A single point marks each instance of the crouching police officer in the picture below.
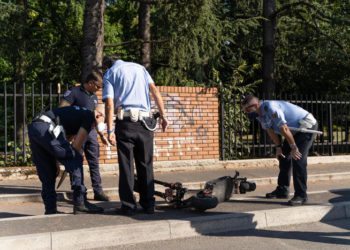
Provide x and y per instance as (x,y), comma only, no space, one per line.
(84,96)
(48,142)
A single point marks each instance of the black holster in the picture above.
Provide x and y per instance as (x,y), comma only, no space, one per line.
(150,123)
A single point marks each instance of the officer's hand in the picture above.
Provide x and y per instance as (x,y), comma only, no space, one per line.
(279,153)
(111,138)
(163,122)
(70,138)
(296,155)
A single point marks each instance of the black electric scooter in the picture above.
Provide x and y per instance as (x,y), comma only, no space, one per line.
(214,192)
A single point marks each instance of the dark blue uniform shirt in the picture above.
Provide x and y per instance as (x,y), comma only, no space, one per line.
(79,96)
(72,118)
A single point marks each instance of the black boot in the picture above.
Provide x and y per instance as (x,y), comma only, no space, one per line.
(126,211)
(100,196)
(297,201)
(86,207)
(51,211)
(279,192)
(149,210)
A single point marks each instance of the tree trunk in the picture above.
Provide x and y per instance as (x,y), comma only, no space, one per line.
(93,40)
(145,34)
(20,75)
(268,63)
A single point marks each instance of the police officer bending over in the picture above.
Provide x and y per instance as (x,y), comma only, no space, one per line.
(48,142)
(284,118)
(126,92)
(84,96)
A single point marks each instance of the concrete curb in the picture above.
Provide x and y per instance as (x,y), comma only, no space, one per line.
(110,236)
(23,173)
(113,192)
(212,164)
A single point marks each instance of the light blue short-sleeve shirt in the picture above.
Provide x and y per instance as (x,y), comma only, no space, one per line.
(128,84)
(277,113)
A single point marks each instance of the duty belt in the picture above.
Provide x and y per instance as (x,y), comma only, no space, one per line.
(141,114)
(134,114)
(308,121)
(55,128)
(306,125)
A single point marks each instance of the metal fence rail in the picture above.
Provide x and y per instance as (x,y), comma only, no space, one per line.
(241,138)
(18,104)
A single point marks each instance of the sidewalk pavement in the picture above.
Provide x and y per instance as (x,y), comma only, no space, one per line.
(28,230)
(25,173)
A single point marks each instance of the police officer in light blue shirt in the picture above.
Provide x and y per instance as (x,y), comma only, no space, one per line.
(283,118)
(126,93)
(120,83)
(277,113)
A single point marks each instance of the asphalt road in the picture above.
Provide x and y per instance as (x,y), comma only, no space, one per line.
(333,235)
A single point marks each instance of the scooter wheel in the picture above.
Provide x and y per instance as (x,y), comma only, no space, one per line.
(203,203)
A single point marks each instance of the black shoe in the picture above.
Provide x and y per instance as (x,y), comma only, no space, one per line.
(93,207)
(86,207)
(51,211)
(297,201)
(279,192)
(149,210)
(126,211)
(48,212)
(100,196)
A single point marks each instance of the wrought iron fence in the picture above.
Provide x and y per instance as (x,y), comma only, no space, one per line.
(19,103)
(240,138)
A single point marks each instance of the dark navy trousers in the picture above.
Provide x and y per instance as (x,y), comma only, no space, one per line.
(287,165)
(91,149)
(135,142)
(45,151)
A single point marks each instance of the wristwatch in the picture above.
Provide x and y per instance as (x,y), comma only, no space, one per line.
(162,116)
(293,146)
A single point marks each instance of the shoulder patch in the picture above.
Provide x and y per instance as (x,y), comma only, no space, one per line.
(274,115)
(67,93)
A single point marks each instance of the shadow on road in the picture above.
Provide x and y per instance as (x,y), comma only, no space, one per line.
(343,195)
(321,237)
(335,217)
(15,189)
(11,215)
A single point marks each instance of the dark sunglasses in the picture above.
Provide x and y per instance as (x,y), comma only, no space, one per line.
(250,106)
(98,86)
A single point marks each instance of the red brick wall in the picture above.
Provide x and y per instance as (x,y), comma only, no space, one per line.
(193,131)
